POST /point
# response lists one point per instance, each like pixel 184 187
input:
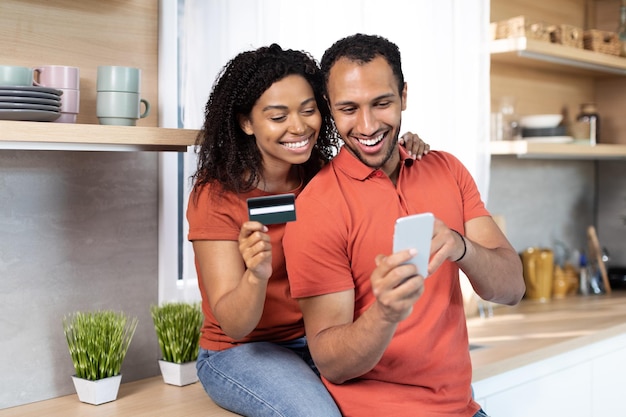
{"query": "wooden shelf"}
pixel 546 55
pixel 88 137
pixel 526 149
pixel 538 55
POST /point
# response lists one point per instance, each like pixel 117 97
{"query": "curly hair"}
pixel 362 49
pixel 225 152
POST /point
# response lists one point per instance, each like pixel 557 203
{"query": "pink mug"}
pixel 57 76
pixel 66 79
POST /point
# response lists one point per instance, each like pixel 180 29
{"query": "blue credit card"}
pixel 272 209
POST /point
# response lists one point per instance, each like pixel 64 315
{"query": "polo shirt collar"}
pixel 356 169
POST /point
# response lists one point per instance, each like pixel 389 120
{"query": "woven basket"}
pixel 567 35
pixel 521 26
pixel 601 41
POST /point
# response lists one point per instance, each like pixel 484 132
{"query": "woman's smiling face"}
pixel 285 122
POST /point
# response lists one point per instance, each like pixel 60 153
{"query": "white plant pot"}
pixel 97 392
pixel 179 374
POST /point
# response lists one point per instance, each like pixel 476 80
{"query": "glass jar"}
pixel 590 119
pixel 510 123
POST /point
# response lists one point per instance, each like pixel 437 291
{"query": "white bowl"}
pixel 541 121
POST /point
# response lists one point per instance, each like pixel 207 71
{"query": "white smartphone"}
pixel 415 231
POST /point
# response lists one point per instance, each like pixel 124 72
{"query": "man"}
pixel 386 341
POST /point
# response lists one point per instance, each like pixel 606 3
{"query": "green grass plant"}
pixel 98 342
pixel 177 326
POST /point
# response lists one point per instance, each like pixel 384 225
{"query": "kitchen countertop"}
pixel 515 336
pixel 533 330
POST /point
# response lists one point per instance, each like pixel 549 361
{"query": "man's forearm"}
pixel 495 274
pixel 348 351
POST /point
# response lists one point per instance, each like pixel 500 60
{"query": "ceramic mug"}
pixel 117 78
pixel 70 105
pixel 11 75
pixel 57 76
pixel 120 108
pixel 65 79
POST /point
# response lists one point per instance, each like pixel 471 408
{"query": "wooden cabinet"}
pixel 551 78
pixel 86 34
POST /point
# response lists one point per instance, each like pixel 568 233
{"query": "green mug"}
pixel 120 108
pixel 118 78
pixel 11 75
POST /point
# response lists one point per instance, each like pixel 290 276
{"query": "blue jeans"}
pixel 265 379
pixel 480 413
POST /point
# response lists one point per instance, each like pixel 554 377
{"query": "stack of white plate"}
pixel 30 103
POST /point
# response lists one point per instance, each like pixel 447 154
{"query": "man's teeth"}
pixel 371 142
pixel 295 145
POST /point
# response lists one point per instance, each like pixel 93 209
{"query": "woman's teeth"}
pixel 371 142
pixel 295 145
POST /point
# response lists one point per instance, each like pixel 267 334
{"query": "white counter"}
pixel 564 357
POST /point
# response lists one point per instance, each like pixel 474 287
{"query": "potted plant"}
pixel 177 326
pixel 98 342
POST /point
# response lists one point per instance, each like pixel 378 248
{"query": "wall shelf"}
pixel 546 55
pixel 90 137
pixel 535 150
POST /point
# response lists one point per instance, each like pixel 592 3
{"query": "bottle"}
pixel 596 285
pixel 589 117
pixel 583 283
pixel 621 29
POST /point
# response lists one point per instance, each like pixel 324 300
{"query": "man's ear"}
pixel 245 124
pixel 403 95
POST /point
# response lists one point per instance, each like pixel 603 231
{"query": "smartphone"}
pixel 415 231
pixel 272 209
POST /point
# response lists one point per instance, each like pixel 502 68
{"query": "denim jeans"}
pixel 480 413
pixel 265 379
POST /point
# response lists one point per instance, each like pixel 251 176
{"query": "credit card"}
pixel 272 209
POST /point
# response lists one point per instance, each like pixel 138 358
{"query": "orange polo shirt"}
pixel 220 218
pixel 346 217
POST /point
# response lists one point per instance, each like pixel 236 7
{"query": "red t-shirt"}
pixel 346 217
pixel 213 217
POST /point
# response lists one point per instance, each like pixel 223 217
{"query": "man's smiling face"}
pixel 367 109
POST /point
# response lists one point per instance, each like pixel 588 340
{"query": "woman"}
pixel 267 130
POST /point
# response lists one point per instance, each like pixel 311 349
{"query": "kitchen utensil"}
pixel 596 254
pixel 29 115
pixel 550 131
pixel 541 121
